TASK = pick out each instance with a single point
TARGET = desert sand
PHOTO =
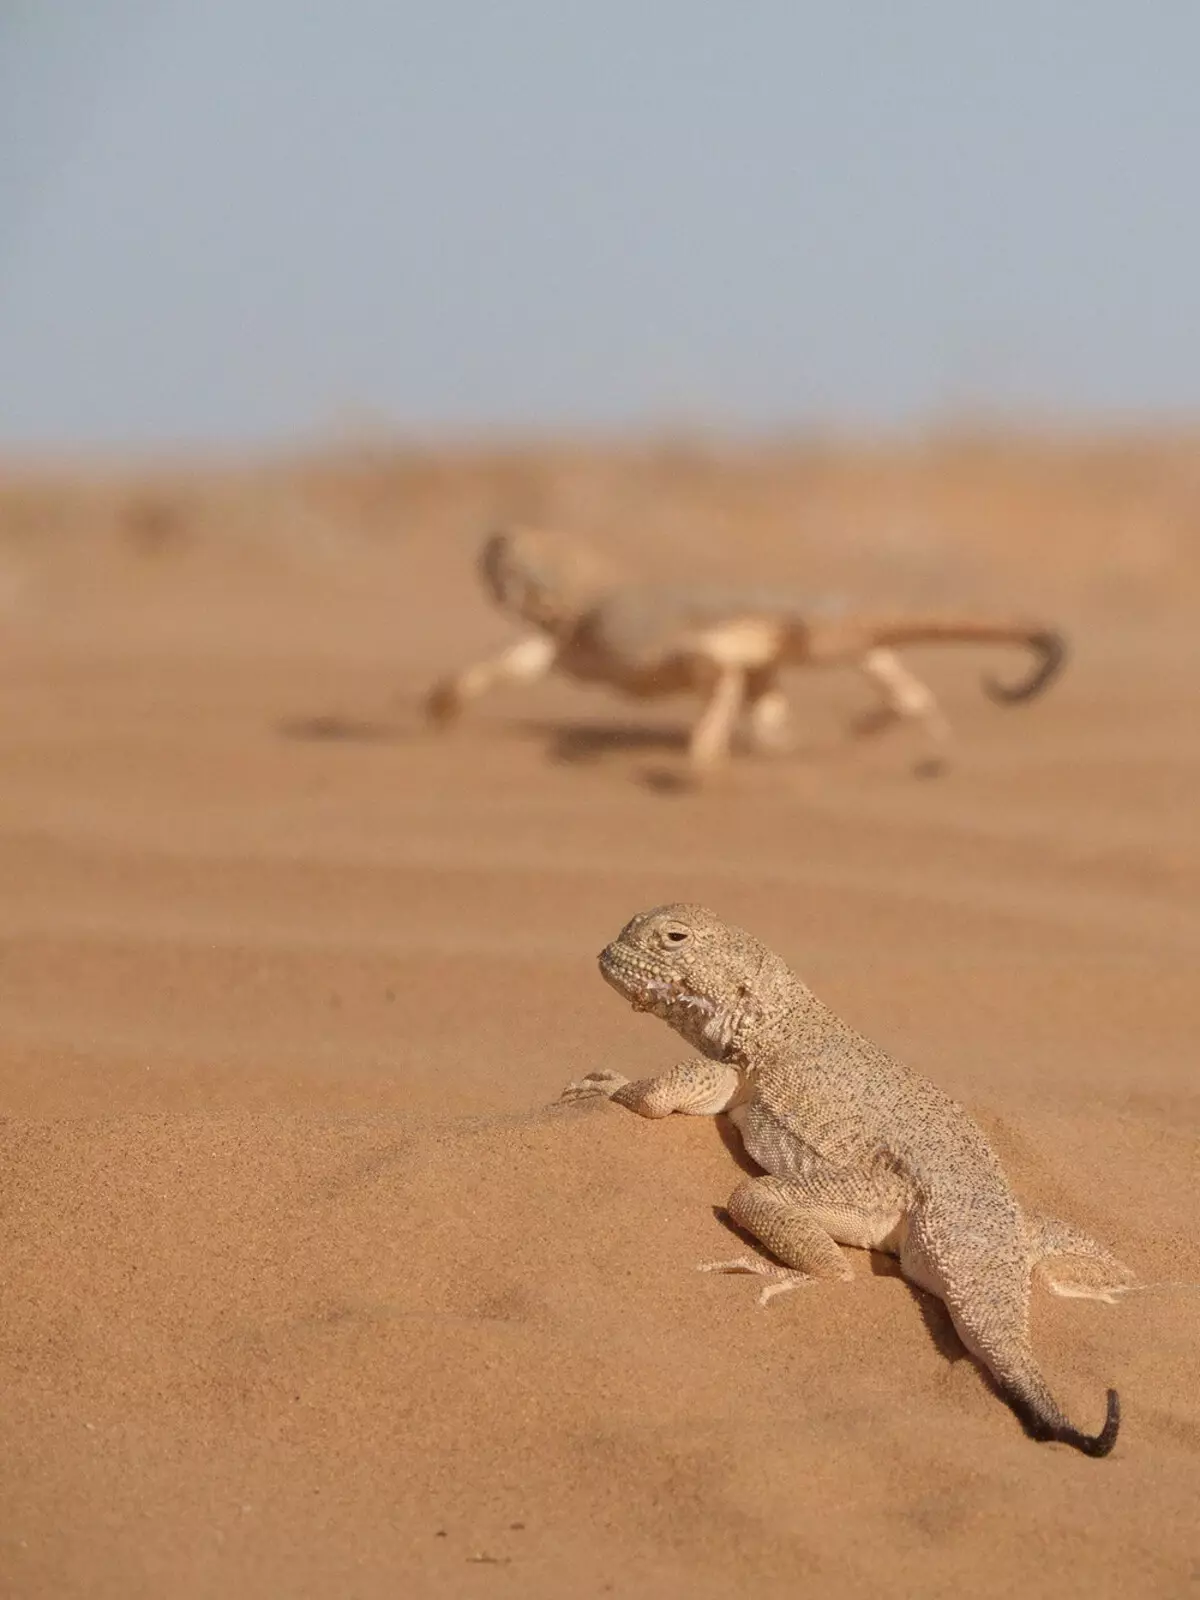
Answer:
(309, 1287)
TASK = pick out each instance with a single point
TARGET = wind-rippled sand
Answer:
(309, 1289)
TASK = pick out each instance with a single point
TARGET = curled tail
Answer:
(1047, 644)
(1006, 1355)
(1005, 1352)
(1054, 1427)
(976, 1258)
(1051, 650)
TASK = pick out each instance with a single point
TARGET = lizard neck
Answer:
(763, 1018)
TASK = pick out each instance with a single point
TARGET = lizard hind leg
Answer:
(1073, 1265)
(767, 712)
(782, 1216)
(904, 696)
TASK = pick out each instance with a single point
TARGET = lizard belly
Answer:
(639, 680)
(781, 1153)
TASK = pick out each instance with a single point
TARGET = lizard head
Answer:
(706, 979)
(543, 577)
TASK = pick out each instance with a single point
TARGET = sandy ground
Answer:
(309, 1289)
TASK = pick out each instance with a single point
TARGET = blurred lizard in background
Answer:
(727, 645)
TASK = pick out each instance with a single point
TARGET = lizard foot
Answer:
(785, 1276)
(596, 1086)
(442, 705)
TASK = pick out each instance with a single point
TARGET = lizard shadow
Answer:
(932, 1312)
(332, 728)
(580, 744)
(577, 744)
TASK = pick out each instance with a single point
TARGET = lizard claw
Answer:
(785, 1277)
(595, 1086)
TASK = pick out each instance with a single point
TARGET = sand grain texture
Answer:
(308, 1290)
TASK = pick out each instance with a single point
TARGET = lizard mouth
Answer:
(645, 990)
(661, 995)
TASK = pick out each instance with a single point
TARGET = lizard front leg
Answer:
(523, 662)
(708, 745)
(696, 1087)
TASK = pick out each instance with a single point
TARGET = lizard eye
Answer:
(676, 935)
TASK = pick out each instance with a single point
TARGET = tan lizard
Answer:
(856, 1150)
(726, 645)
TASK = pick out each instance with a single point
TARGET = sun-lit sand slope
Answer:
(308, 1289)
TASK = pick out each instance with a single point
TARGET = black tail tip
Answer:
(1093, 1444)
(1101, 1443)
(1051, 650)
(1056, 1430)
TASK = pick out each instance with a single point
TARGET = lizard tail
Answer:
(1048, 645)
(977, 1260)
(1019, 1380)
(1006, 1354)
(1047, 1423)
(1050, 648)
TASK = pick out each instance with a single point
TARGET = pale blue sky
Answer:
(247, 221)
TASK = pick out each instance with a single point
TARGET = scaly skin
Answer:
(855, 1150)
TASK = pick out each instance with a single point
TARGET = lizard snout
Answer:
(622, 975)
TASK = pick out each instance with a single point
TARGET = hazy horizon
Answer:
(238, 225)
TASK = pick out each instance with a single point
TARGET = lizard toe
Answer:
(785, 1278)
(595, 1086)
